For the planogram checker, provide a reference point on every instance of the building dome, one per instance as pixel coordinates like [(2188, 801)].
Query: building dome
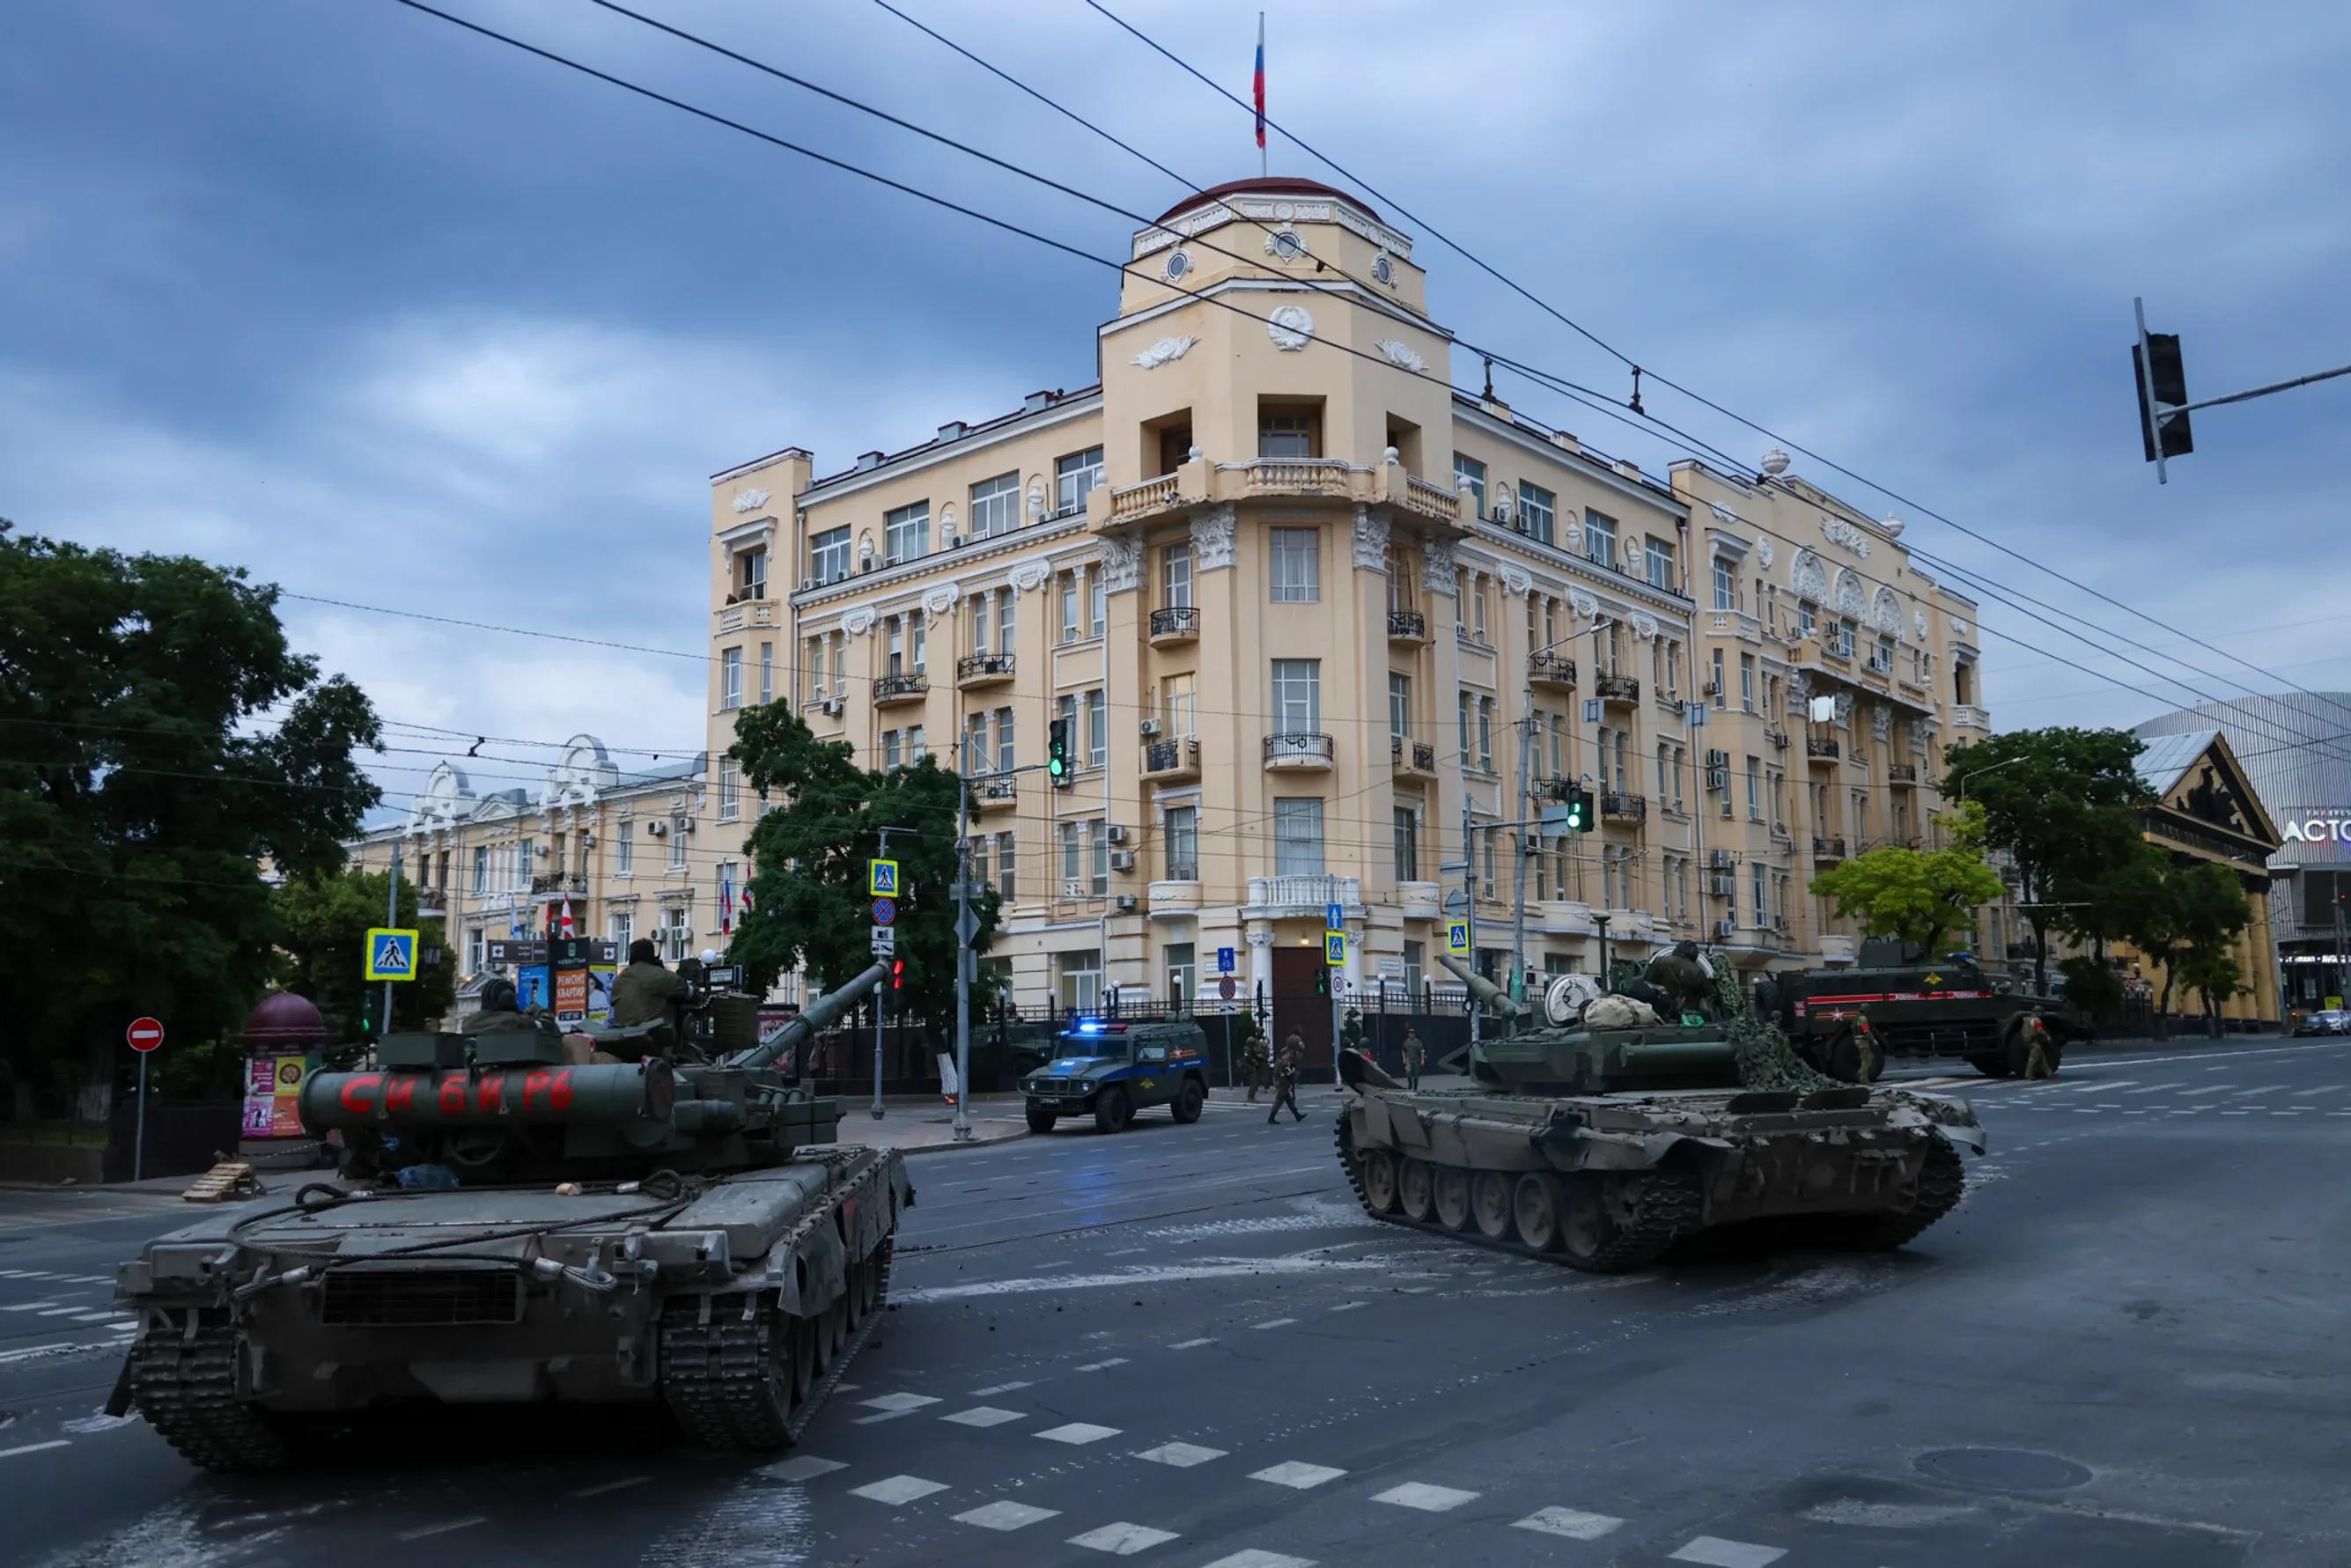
[(284, 1020), (1268, 185)]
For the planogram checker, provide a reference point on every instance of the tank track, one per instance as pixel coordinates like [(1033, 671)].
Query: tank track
[(185, 1385), (1942, 1182)]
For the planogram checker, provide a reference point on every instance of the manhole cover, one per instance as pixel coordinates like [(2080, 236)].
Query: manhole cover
[(2003, 1470)]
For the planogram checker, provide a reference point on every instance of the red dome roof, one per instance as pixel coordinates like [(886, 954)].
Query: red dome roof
[(1268, 186), (284, 1019)]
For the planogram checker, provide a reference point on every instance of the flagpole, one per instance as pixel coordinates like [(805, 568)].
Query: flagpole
[(1260, 95)]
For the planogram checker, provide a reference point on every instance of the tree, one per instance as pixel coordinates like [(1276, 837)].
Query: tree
[(322, 926), (2216, 978), (2188, 921), (2045, 793), (1918, 896), (811, 908), (158, 741)]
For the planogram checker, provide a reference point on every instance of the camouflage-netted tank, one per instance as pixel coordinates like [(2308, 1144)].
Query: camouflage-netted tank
[(1600, 1148), (515, 1225)]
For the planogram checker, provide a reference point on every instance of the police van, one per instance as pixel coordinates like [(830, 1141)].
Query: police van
[(1109, 1069)]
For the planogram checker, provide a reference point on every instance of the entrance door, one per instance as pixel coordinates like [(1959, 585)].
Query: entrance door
[(1297, 1007)]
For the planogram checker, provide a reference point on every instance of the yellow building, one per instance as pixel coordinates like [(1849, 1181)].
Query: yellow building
[(1307, 607)]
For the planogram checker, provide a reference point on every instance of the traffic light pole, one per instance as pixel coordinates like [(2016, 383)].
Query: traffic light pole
[(881, 994), (391, 917)]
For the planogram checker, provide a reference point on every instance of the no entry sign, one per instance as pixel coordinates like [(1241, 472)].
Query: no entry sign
[(144, 1034)]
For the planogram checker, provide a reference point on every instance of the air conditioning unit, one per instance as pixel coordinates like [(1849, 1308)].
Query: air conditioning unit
[(685, 824), (1715, 758), (1149, 726), (807, 584), (1717, 778), (1725, 929), (1117, 834), (1073, 887), (1720, 885), (1713, 689), (1122, 860), (657, 829), (1720, 859), (1126, 904), (831, 706)]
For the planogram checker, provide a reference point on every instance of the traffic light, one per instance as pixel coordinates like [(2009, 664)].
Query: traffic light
[(2158, 367), (1322, 980), (1579, 808), (1056, 751), (897, 974)]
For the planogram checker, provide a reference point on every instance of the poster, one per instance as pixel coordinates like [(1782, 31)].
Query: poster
[(261, 1077), (570, 996), (599, 992), (272, 1097), (256, 1116), (286, 1117)]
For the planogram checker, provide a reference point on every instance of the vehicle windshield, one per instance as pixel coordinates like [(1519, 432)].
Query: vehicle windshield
[(1077, 1045)]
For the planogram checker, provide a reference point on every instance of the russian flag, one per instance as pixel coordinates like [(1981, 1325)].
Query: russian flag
[(1261, 80)]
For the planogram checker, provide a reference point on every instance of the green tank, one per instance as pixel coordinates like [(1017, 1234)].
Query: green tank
[(515, 1226), (1601, 1147), (1848, 1021)]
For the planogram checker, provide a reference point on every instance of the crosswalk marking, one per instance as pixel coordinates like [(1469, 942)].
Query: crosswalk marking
[(897, 1490), (983, 1415), (1123, 1540), (1296, 1474), (1183, 1455), (1006, 1516), (1000, 1389), (1425, 1498), (1078, 1433), (1573, 1523), (897, 1402), (1253, 1558), (1716, 1553), (803, 1468)]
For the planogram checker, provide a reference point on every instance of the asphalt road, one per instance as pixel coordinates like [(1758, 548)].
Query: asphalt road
[(1187, 1345)]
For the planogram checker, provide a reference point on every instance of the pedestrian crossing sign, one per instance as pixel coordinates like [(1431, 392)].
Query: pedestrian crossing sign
[(881, 878), (1335, 948), (391, 953), (1456, 938)]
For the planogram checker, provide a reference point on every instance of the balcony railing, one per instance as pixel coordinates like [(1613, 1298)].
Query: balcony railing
[(744, 609), (1139, 500), (1407, 626), (1902, 773), (1169, 758), (988, 794), (1618, 807), (1178, 622), (1826, 848), (1416, 756), (1557, 788), (1556, 670), (1431, 499), (557, 881), (1300, 749), (1617, 689), (1293, 477), (1965, 717), (1820, 749), (900, 688), (983, 669), (1276, 898)]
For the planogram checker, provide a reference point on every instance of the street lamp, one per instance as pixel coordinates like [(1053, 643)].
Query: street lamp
[(1993, 768)]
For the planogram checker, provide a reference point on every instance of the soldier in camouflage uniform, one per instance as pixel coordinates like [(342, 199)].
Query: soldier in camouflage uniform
[(1416, 1057), (1257, 1065), (1680, 978), (1285, 1079)]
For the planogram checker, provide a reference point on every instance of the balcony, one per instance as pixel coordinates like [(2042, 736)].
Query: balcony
[(1557, 788), (1198, 482), (1616, 806), (1904, 773), (1420, 496), (1625, 691), (1421, 900), (743, 613), (1175, 896), (1129, 503), (1827, 847), (1964, 717), (892, 689), (1168, 761), (1176, 623), (1821, 749), (1306, 749), (1564, 918), (1881, 665), (558, 885), (1291, 476), (1558, 670), (1835, 949), (1411, 756), (1305, 896), (994, 794), (975, 670), (1407, 626)]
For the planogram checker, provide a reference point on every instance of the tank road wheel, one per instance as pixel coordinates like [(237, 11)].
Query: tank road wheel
[(855, 1294), (802, 1333), (1040, 1120), (1453, 1197), (1663, 1204), (1942, 1180), (1489, 1203), (1414, 1183), (1535, 1204), (1380, 1182), (1187, 1104), (1112, 1110)]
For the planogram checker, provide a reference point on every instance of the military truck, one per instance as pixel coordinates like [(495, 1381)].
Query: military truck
[(514, 1225), (1601, 1147), (1109, 1069), (1905, 1005)]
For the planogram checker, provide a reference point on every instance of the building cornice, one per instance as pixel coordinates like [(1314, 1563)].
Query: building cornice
[(1403, 314), (912, 575), (1465, 411), (1028, 421)]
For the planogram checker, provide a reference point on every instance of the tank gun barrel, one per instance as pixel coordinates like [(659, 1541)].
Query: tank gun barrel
[(819, 1014), (1496, 1000)]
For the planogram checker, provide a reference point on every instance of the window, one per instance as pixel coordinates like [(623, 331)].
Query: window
[(897, 654), (1007, 887), (730, 790), (1462, 702), (1298, 838), (1623, 758), (1407, 845), (1660, 557), (1296, 565), (1004, 749), (1806, 623), (1726, 585), (481, 870), (1747, 682), (1175, 701), (1845, 630), (1297, 695), (978, 871), (1080, 980), (996, 505), (1717, 681), (1097, 729), (676, 933), (1486, 734), (1285, 437), (730, 678), (1413, 957), (1076, 475), (829, 554), (625, 852), (751, 573), (1072, 862), (1065, 708), (1179, 972), (1664, 775), (1469, 471), (1478, 612), (1098, 598), (1176, 577), (767, 672), (1098, 844), (1600, 751), (840, 666), (526, 859), (921, 643), (1004, 620), (475, 947), (1487, 877), (1183, 843), (974, 742), (677, 842), (1399, 704), (1068, 607), (917, 746), (1599, 538), (1539, 509), (892, 749), (1754, 789)]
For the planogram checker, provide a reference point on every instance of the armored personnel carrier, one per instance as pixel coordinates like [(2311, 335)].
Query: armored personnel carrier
[(1599, 1148), (537, 1230), (1905, 1006)]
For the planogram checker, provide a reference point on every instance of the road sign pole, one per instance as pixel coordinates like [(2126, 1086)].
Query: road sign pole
[(138, 1138), (391, 917), (881, 994), (963, 962)]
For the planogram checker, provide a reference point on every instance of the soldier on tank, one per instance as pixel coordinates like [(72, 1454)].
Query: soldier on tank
[(1286, 1067), (1681, 978), (644, 992), (1416, 1057)]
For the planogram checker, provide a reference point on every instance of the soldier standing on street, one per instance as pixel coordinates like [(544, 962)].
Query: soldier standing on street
[(1416, 1057), (1285, 1079), (1255, 1064)]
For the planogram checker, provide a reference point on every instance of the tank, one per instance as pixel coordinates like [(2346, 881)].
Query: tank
[(1847, 1021), (516, 1225), (1600, 1148)]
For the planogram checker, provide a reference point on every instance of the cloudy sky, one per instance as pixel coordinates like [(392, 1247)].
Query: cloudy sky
[(395, 315)]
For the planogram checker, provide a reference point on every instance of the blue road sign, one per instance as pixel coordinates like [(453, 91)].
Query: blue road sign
[(1225, 960), (885, 910), (1334, 918), (391, 953)]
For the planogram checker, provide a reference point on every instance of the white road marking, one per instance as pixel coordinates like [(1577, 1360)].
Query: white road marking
[(1716, 1553), (1571, 1523), (28, 1307), (1167, 1274), (2154, 1088), (2322, 1089), (32, 1447), (1349, 1306), (62, 1312), (93, 1318), (1183, 1455), (83, 1425), (983, 1415), (87, 1280), (2093, 1083), (1123, 1540), (1297, 1475), (1126, 1251), (1274, 1323), (1253, 1558), (1006, 1516), (1078, 1433), (29, 1352), (2241, 1113), (1190, 1343), (1103, 1365), (600, 1488), (2208, 1089), (420, 1531), (2257, 1089), (1425, 1498), (803, 1468), (999, 1389), (897, 1490), (897, 1402)]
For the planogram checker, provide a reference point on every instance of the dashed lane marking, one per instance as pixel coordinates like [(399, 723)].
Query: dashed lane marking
[(1349, 1306), (600, 1488), (31, 1352), (897, 1402), (1573, 1523), (1077, 1433), (28, 1307), (1183, 1455), (1274, 1323), (2153, 1088), (1425, 1498), (2208, 1089), (1000, 1389), (803, 1468), (63, 1311), (983, 1415), (1103, 1365), (1006, 1516), (1190, 1343), (1296, 1474), (897, 1490), (2322, 1089), (444, 1528), (1716, 1553), (1123, 1540), (32, 1447)]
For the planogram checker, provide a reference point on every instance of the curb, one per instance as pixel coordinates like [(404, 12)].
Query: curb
[(978, 1141)]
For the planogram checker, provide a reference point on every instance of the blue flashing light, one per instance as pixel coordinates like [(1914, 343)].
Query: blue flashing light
[(1091, 1026)]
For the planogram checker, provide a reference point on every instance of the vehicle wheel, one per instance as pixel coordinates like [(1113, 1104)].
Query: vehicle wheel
[(1111, 1112), (1489, 1203), (1535, 1203), (1876, 1063), (802, 1334), (1414, 1183), (824, 1336), (1040, 1120), (1591, 1236), (1990, 1066), (1453, 1197), (1187, 1104), (1379, 1181)]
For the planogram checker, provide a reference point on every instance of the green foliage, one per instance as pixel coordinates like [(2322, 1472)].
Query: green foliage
[(138, 794), (1351, 1029), (810, 908), (2188, 920), (2215, 978), (1920, 897), (2092, 986), (322, 926)]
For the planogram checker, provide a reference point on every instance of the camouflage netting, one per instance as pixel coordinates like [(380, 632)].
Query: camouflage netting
[(1766, 1061)]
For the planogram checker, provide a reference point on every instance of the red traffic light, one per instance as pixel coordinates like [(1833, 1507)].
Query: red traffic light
[(897, 974)]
